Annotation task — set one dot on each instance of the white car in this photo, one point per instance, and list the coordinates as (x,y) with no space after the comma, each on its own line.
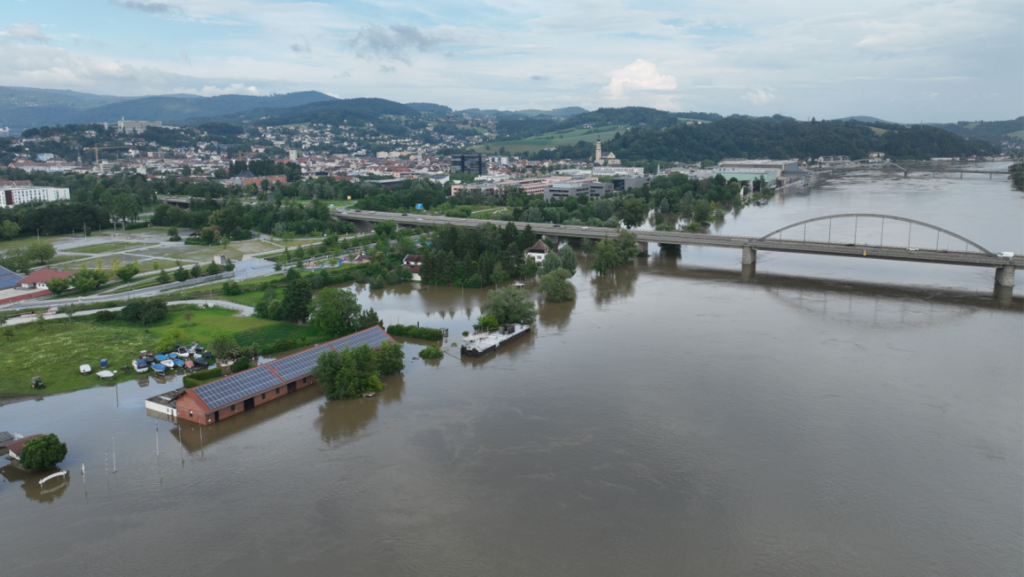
(1005,255)
(586,228)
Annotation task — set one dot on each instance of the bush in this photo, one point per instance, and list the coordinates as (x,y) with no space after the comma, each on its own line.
(144,311)
(486,323)
(416,332)
(240,365)
(105,316)
(431,352)
(200,377)
(43,453)
(231,288)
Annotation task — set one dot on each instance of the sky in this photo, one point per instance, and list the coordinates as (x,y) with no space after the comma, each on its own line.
(903,61)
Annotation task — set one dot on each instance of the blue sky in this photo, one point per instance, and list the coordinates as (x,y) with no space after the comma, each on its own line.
(905,61)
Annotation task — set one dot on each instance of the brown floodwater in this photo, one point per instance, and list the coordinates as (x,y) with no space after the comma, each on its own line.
(823,416)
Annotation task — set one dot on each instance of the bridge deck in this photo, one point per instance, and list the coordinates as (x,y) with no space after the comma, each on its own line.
(710,240)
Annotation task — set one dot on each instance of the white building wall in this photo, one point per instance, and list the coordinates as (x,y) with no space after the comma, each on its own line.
(24,194)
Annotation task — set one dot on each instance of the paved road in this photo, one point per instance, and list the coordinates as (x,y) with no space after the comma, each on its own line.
(243,311)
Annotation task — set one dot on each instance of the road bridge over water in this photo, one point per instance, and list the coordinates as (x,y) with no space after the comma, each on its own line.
(854,165)
(834,242)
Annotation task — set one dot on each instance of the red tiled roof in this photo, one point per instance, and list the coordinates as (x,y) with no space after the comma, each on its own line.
(18,445)
(44,275)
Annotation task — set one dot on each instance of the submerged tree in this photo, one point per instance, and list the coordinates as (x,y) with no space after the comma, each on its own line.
(43,453)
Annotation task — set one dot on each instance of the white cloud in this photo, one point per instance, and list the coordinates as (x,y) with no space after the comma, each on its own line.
(759,96)
(235,88)
(29,31)
(640,75)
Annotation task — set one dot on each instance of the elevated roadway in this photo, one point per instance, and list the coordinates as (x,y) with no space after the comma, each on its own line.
(1005,266)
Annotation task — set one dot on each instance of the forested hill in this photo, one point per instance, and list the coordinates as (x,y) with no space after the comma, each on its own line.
(22,108)
(332,111)
(743,137)
(997,131)
(626,116)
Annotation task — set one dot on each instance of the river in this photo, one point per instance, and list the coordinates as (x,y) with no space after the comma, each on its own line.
(827,416)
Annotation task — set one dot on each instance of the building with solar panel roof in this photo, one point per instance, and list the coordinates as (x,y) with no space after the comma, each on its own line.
(229,396)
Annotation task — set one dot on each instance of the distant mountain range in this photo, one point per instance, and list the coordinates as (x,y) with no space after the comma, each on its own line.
(22,108)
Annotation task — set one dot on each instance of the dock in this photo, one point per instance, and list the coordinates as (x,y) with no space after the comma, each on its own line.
(483,344)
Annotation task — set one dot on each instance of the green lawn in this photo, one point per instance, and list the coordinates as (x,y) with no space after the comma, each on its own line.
(28,241)
(54,349)
(107,247)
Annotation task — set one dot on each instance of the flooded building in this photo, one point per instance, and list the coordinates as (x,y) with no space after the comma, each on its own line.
(231,395)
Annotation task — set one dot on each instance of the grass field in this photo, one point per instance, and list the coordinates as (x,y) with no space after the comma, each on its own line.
(54,349)
(550,140)
(234,250)
(107,247)
(28,241)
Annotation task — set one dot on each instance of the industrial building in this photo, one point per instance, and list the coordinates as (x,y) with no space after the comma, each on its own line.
(136,126)
(231,395)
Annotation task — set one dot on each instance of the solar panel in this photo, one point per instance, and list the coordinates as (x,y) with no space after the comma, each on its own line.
(294,366)
(8,278)
(372,336)
(237,387)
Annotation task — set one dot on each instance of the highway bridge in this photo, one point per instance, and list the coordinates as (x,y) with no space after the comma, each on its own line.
(838,244)
(855,164)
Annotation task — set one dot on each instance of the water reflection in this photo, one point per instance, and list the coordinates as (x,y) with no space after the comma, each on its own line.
(616,285)
(53,490)
(340,419)
(556,315)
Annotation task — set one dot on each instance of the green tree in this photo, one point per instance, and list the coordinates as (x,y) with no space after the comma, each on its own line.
(212,268)
(126,272)
(498,274)
(86,280)
(188,316)
(509,305)
(568,256)
(633,212)
(40,252)
(552,262)
(9,229)
(181,275)
(43,453)
(196,271)
(335,312)
(163,277)
(385,228)
(293,273)
(556,286)
(297,296)
(224,347)
(391,358)
(58,286)
(172,231)
(337,373)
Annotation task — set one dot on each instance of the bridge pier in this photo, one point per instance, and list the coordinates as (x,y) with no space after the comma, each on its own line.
(642,246)
(553,238)
(1004,275)
(749,255)
(748,272)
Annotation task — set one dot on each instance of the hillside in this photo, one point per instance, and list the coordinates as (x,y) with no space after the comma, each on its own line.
(996,131)
(22,108)
(738,137)
(333,111)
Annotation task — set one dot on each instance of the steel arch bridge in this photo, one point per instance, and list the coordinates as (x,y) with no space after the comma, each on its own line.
(883,217)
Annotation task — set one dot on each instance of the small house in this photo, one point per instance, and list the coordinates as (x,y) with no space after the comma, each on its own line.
(538,251)
(14,449)
(40,278)
(413,262)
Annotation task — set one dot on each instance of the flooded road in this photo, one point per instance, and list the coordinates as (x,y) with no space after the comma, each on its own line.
(826,416)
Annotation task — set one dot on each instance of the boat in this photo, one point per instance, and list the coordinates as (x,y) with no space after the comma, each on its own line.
(179,363)
(182,352)
(85,369)
(140,365)
(172,356)
(199,360)
(167,363)
(195,349)
(159,368)
(105,374)
(189,364)
(160,358)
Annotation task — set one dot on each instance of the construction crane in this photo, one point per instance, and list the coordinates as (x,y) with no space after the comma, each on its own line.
(99,148)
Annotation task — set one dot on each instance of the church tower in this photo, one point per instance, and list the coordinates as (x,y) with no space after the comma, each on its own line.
(597,153)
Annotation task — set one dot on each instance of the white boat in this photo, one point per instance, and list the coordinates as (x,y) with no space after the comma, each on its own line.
(105,374)
(85,369)
(168,363)
(140,366)
(183,353)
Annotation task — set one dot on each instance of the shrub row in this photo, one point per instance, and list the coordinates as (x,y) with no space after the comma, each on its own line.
(201,377)
(416,332)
